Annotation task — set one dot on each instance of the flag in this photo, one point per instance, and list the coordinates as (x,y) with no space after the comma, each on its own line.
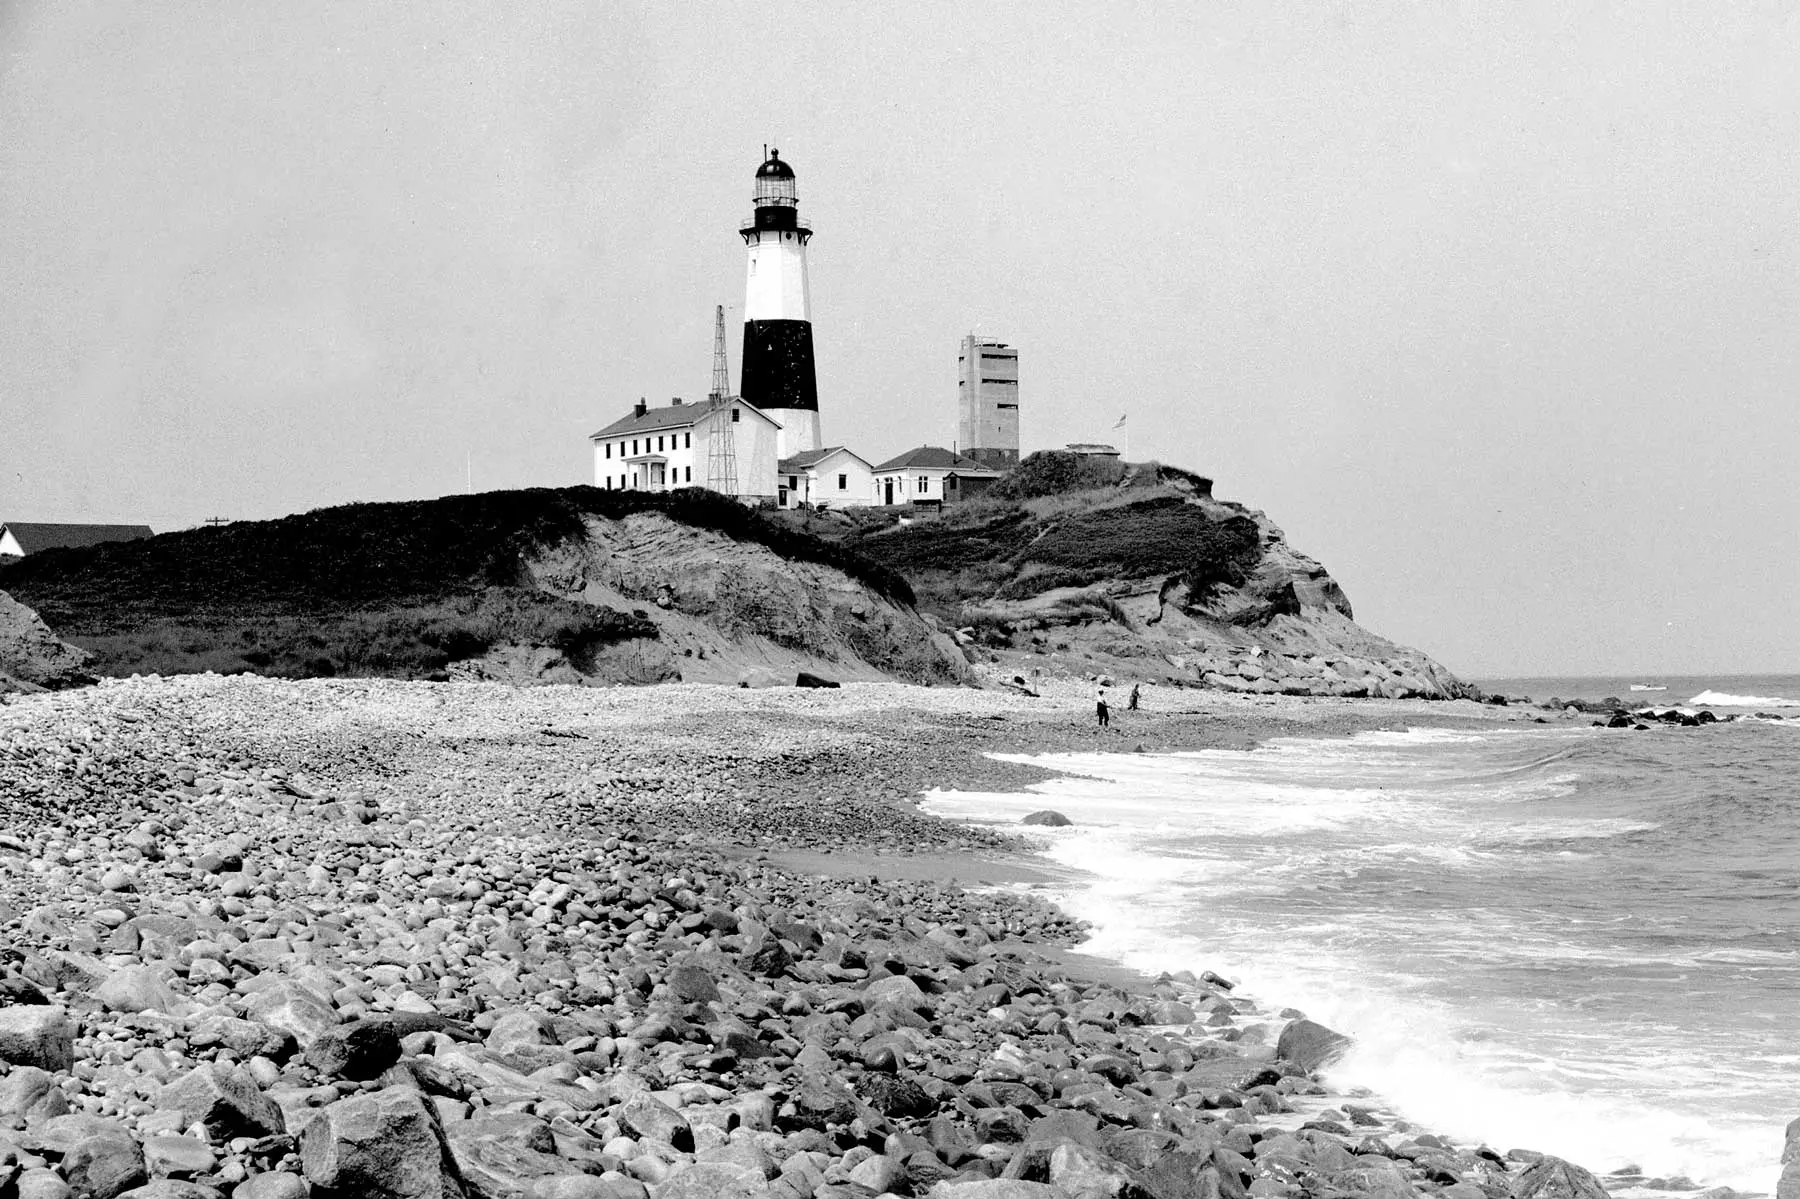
(1121,423)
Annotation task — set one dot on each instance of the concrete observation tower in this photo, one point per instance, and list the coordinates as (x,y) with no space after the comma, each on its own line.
(777,373)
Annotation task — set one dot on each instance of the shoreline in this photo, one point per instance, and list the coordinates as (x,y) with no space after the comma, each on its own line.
(760,941)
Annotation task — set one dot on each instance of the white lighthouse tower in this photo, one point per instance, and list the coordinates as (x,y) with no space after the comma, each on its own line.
(777,374)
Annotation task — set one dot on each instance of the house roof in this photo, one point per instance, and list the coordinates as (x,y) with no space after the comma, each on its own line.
(808,459)
(35,537)
(674,416)
(935,457)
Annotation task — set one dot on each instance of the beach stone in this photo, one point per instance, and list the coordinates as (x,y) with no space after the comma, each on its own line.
(1788,1186)
(41,1183)
(589,1186)
(691,983)
(894,1096)
(293,1009)
(177,1157)
(168,1188)
(995,1188)
(1554,1178)
(385,1145)
(225,1099)
(649,1118)
(361,1049)
(1310,1046)
(137,989)
(272,1186)
(37,1036)
(714,1180)
(20,992)
(1047,817)
(900,990)
(104,1165)
(23,1089)
(505,1154)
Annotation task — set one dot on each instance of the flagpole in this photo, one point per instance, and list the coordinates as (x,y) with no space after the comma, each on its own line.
(1121,435)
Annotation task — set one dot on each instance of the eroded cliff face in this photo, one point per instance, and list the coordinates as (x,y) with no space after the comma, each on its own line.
(728,611)
(1284,626)
(32,658)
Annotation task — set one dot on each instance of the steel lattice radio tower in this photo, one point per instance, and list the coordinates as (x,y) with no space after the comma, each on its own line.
(721,459)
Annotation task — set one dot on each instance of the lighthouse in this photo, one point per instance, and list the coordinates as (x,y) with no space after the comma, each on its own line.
(777,372)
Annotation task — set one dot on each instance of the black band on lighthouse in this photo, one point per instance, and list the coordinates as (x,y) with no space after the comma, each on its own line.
(778,365)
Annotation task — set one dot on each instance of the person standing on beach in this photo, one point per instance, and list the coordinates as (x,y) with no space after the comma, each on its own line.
(1100,712)
(1131,704)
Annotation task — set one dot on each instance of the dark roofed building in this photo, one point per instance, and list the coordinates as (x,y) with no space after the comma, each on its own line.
(19,538)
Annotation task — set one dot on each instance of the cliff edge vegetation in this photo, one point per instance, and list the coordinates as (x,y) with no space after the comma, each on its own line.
(566,585)
(1133,570)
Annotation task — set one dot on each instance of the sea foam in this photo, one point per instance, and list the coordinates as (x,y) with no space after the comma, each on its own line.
(1724,699)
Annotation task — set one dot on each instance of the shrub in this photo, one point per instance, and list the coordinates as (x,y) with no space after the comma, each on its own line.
(1053,472)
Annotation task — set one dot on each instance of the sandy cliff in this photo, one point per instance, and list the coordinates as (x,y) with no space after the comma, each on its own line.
(31,656)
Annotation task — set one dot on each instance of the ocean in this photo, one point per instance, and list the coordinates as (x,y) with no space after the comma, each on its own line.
(1575,940)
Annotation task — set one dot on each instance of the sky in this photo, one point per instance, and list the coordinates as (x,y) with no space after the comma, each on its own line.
(1493,308)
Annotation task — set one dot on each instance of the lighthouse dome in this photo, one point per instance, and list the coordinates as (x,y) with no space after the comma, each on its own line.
(774,168)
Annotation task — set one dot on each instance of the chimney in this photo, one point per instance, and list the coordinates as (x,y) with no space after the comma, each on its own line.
(675,401)
(641,408)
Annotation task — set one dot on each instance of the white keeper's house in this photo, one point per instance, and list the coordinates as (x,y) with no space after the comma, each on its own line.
(662,449)
(834,477)
(931,475)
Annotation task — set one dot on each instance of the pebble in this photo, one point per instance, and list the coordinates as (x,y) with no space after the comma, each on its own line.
(364,937)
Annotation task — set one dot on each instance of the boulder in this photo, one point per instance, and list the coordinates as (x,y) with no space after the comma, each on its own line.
(168,1188)
(1048,818)
(41,1183)
(1788,1187)
(104,1164)
(714,1180)
(384,1145)
(37,1036)
(293,1009)
(649,1118)
(225,1099)
(138,989)
(1554,1178)
(1311,1046)
(505,1154)
(360,1050)
(995,1188)
(272,1186)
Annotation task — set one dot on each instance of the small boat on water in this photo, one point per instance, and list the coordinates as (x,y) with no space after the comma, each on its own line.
(1649,686)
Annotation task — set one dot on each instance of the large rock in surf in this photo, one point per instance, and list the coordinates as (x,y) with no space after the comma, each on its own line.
(1554,1178)
(1311,1046)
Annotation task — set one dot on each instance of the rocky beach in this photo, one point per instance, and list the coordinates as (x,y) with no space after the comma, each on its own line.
(272,939)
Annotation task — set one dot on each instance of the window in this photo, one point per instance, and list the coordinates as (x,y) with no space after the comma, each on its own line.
(634,453)
(659,445)
(687,441)
(735,413)
(687,474)
(609,449)
(843,482)
(924,484)
(1012,406)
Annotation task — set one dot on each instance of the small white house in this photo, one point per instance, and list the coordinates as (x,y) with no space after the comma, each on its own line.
(931,475)
(834,477)
(661,449)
